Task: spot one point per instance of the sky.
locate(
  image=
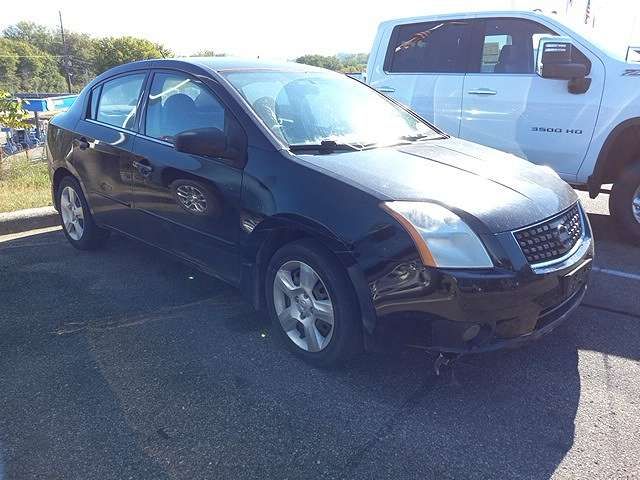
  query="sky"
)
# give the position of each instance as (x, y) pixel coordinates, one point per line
(280, 29)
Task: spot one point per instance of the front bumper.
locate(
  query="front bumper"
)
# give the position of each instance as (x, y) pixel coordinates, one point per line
(468, 311)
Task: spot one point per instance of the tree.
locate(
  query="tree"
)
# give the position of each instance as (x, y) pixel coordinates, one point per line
(12, 115)
(38, 36)
(26, 68)
(112, 51)
(330, 62)
(342, 62)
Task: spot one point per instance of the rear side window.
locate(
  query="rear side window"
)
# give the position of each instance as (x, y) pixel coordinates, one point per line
(92, 111)
(178, 103)
(118, 101)
(431, 47)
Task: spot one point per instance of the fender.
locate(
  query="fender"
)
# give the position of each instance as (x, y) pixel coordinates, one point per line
(71, 169)
(595, 180)
(273, 232)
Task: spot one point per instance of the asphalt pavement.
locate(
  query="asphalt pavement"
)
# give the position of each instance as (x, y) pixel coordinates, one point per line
(126, 364)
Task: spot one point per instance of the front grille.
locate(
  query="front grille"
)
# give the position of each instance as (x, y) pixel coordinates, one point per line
(551, 239)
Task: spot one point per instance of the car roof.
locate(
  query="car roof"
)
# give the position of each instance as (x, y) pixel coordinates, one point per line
(220, 64)
(216, 65)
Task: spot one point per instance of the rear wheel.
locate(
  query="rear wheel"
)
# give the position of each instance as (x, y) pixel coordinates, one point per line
(76, 219)
(312, 303)
(624, 202)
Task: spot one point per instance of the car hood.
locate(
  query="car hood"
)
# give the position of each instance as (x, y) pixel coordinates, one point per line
(498, 189)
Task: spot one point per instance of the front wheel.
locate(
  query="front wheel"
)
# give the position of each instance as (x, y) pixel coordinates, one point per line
(77, 222)
(624, 202)
(312, 303)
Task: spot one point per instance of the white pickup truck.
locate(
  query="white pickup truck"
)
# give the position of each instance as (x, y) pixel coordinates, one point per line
(524, 83)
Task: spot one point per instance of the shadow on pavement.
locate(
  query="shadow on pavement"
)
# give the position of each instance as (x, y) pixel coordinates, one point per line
(124, 363)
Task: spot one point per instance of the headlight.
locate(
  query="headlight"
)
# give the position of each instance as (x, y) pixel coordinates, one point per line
(441, 237)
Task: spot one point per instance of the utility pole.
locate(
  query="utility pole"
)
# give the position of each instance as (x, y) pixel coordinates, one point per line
(65, 56)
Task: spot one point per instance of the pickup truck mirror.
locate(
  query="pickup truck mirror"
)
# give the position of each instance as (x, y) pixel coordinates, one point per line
(208, 142)
(556, 61)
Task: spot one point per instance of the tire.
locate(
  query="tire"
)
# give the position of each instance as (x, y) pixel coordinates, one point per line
(79, 227)
(625, 192)
(305, 329)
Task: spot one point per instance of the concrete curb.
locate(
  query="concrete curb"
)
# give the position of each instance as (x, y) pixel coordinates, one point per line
(28, 219)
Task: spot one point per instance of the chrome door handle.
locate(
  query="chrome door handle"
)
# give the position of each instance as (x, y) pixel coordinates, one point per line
(482, 91)
(386, 89)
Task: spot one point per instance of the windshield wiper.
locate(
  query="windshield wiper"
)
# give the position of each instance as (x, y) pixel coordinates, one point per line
(418, 136)
(325, 146)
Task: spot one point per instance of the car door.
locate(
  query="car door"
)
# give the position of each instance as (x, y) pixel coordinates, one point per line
(506, 105)
(424, 69)
(188, 204)
(103, 146)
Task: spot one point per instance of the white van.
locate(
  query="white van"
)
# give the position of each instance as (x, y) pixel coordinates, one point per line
(524, 83)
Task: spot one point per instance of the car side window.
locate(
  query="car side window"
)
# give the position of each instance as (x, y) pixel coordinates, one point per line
(119, 99)
(92, 111)
(178, 103)
(430, 47)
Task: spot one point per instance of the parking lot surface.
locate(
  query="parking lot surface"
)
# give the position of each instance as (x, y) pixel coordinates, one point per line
(126, 364)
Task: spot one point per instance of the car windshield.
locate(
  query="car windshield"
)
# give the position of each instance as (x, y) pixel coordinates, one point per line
(325, 108)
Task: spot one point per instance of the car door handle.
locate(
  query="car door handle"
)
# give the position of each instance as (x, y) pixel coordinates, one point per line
(386, 89)
(143, 167)
(82, 143)
(482, 91)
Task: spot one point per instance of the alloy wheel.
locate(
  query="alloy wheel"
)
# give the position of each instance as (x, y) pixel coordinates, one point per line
(303, 306)
(72, 213)
(192, 198)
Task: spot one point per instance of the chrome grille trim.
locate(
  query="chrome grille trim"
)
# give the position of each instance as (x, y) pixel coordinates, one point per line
(581, 224)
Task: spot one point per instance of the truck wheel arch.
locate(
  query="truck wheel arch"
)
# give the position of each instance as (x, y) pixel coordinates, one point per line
(621, 148)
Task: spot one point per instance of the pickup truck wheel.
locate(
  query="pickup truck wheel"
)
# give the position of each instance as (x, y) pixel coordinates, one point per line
(76, 219)
(624, 202)
(312, 304)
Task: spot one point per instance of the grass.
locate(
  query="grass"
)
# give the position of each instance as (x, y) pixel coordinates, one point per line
(23, 184)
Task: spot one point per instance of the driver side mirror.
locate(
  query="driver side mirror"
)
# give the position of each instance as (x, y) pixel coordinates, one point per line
(556, 61)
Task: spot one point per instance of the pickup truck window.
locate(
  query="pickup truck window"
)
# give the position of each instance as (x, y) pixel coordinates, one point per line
(510, 46)
(429, 47)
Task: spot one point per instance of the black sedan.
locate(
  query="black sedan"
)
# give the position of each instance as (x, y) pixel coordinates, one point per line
(343, 214)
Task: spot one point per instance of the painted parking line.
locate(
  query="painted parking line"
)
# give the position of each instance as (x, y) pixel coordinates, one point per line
(617, 273)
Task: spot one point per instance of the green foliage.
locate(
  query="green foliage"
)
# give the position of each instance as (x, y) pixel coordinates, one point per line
(33, 59)
(25, 68)
(343, 62)
(329, 62)
(12, 115)
(112, 51)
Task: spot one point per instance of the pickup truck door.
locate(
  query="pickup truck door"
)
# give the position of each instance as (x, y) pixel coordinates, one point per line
(506, 105)
(424, 67)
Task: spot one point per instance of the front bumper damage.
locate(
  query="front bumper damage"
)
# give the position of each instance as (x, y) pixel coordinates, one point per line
(471, 311)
